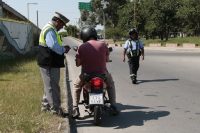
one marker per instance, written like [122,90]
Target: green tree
[189,15]
[164,16]
[128,13]
[146,17]
[72,30]
[115,33]
[84,15]
[111,12]
[152,17]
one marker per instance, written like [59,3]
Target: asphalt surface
[165,100]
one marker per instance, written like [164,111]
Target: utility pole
[37,19]
[134,15]
[28,8]
[1,8]
[104,4]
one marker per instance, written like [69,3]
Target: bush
[63,34]
[6,56]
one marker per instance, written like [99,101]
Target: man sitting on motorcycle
[92,55]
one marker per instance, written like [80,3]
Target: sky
[46,9]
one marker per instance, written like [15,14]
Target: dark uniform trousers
[133,66]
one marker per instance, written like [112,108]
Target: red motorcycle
[94,96]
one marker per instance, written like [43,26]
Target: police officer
[50,60]
[133,48]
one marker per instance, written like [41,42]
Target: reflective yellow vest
[42,41]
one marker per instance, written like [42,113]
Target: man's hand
[142,57]
[124,55]
[142,54]
[67,48]
[124,59]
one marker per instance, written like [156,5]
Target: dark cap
[61,17]
[132,31]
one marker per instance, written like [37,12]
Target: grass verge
[178,40]
[21,89]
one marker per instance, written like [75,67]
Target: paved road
[166,100]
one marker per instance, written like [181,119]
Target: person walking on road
[133,48]
[50,59]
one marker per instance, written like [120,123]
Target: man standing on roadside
[50,60]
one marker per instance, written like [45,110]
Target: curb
[174,49]
[182,49]
[70,121]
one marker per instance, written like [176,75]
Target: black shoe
[60,112]
[114,110]
[45,108]
[76,112]
[134,81]
[134,78]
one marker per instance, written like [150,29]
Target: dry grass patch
[21,89]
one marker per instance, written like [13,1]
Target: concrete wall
[17,36]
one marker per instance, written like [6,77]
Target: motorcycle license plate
[95,98]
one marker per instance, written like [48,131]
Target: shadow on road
[129,116]
[156,80]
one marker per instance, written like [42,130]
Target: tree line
[153,18]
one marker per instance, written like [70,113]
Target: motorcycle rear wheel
[97,115]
